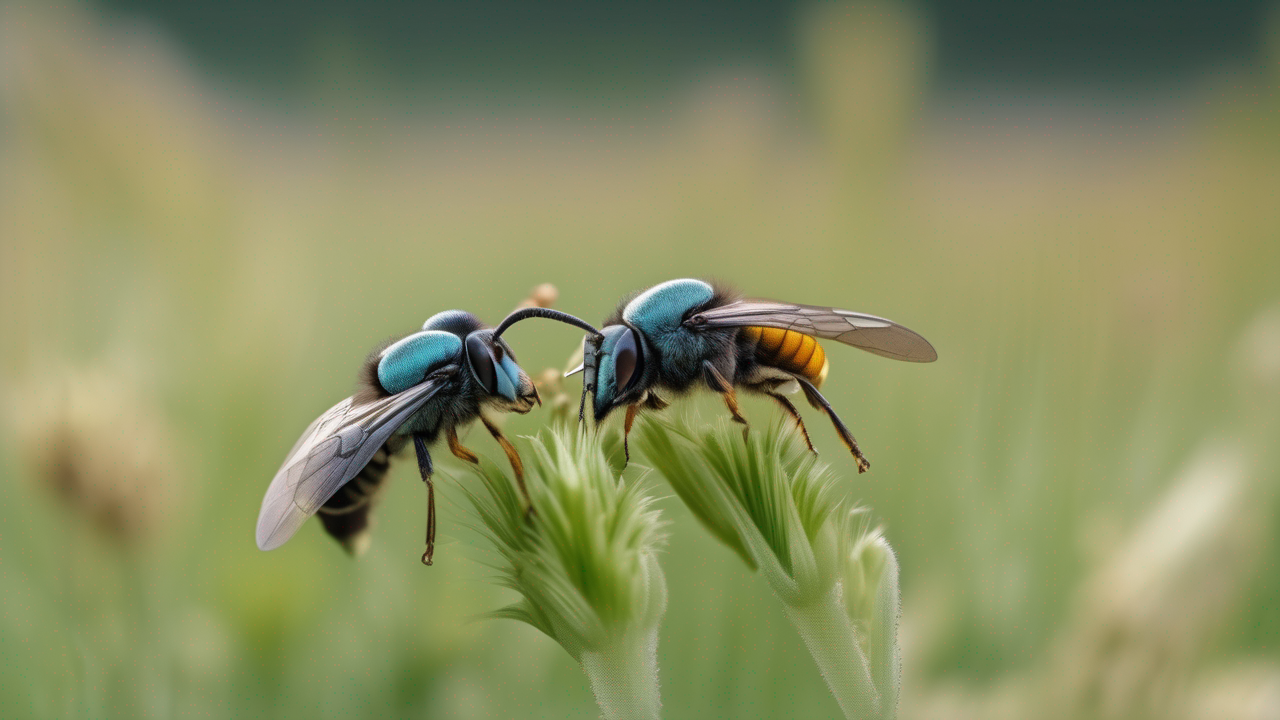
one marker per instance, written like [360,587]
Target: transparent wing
[867,332]
[334,448]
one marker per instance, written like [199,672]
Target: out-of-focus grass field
[1082,491]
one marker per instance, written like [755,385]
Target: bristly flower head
[873,602]
[761,496]
[584,558]
[776,506]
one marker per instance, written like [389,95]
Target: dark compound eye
[481,361]
[628,361]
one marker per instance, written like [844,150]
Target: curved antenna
[539,312]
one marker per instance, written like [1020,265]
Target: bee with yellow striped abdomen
[673,336]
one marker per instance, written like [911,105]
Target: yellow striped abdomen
[790,351]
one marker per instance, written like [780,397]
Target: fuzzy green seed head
[761,495]
[584,559]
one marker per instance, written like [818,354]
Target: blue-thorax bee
[415,389]
[682,333]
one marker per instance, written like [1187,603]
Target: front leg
[652,402]
[715,380]
[632,411]
[512,456]
[425,468]
[458,450]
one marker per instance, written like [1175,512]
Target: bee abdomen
[346,515]
[789,350]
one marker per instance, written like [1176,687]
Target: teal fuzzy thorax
[408,361]
[660,309]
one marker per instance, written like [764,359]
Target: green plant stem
[825,628]
[882,637]
[624,677]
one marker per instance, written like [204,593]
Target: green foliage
[583,557]
[777,507]
[760,495]
[873,602]
[1087,280]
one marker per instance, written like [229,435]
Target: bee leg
[512,456]
[717,383]
[632,411]
[795,415]
[656,402]
[425,469]
[819,402]
[458,450]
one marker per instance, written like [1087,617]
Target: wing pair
[334,449]
[866,332]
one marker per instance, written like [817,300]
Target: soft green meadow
[1080,494]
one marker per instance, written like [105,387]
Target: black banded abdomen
[346,515]
[790,351]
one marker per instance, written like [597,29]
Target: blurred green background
[210,212]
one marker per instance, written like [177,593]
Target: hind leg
[816,400]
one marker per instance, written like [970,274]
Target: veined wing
[867,332]
[334,448]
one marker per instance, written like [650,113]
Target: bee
[680,334]
[413,390]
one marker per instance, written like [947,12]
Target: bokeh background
[211,211]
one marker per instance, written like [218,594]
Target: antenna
[538,312]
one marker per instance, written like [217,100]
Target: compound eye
[480,358]
[628,360]
[501,349]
